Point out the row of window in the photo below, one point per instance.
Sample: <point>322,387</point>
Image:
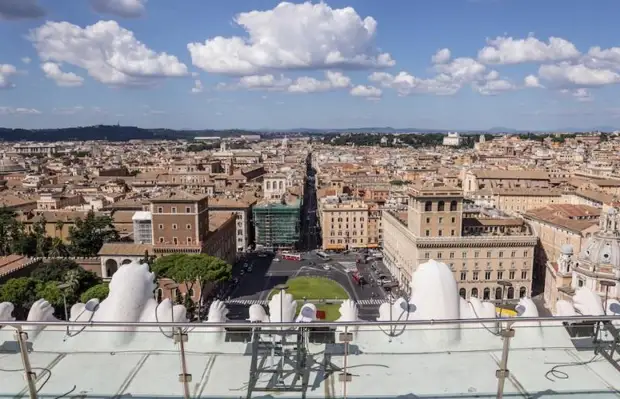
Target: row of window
<point>464,254</point>
<point>353,240</point>
<point>440,220</point>
<point>440,233</point>
<point>486,293</point>
<point>500,275</point>
<point>160,209</point>
<point>346,219</point>
<point>175,226</point>
<point>441,205</point>
<point>175,240</point>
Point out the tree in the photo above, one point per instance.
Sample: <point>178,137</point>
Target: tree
<point>40,239</point>
<point>192,270</point>
<point>99,291</point>
<point>21,292</point>
<point>59,226</point>
<point>54,270</point>
<point>88,235</point>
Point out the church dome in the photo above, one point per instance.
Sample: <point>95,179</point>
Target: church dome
<point>566,249</point>
<point>602,250</point>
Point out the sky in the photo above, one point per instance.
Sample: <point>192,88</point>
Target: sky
<point>258,64</point>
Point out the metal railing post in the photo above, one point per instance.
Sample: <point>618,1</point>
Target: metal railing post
<point>22,340</point>
<point>502,373</point>
<point>180,337</point>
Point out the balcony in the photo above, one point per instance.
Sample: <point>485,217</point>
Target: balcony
<point>516,358</point>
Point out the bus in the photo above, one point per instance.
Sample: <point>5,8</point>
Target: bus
<point>322,255</point>
<point>291,256</point>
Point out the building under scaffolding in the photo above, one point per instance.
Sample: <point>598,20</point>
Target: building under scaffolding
<point>277,225</point>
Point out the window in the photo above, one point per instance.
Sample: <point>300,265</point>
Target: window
<point>524,275</point>
<point>489,254</point>
<point>453,205</point>
<point>160,209</point>
<point>189,240</point>
<point>511,275</point>
<point>161,226</point>
<point>463,293</point>
<point>522,292</point>
<point>175,240</point>
<point>451,255</point>
<point>440,233</point>
<point>174,226</point>
<point>476,254</point>
<point>427,255</point>
<point>498,293</point>
<point>440,220</point>
<point>474,292</point>
<point>161,240</point>
<point>511,293</point>
<point>428,220</point>
<point>475,276</point>
<point>439,255</point>
<point>463,276</point>
<point>173,209</point>
<point>188,209</point>
<point>580,282</point>
<point>525,254</point>
<point>189,227</point>
<point>428,206</point>
<point>513,254</point>
<point>441,206</point>
<point>501,254</point>
<point>452,232</point>
<point>486,293</point>
<point>487,275</point>
<point>500,275</point>
<point>453,220</point>
<point>428,233</point>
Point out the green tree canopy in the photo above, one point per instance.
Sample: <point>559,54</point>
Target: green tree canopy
<point>99,291</point>
<point>88,235</point>
<point>54,270</point>
<point>21,292</point>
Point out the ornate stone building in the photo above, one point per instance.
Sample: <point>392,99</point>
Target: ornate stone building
<point>596,267</point>
<point>481,252</point>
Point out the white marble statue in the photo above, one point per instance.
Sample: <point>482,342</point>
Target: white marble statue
<point>6,311</point>
<point>307,314</point>
<point>348,312</point>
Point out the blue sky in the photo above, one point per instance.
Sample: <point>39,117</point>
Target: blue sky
<point>450,64</point>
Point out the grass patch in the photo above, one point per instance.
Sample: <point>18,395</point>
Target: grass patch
<point>316,288</point>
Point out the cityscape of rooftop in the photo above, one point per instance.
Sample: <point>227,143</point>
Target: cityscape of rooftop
<point>166,233</point>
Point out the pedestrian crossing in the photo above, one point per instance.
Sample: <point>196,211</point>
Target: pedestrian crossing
<point>248,302</point>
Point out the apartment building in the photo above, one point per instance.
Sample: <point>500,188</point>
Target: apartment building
<point>480,252</point>
<point>350,224</point>
<point>478,179</point>
<point>518,200</point>
<point>180,222</point>
<point>244,234</point>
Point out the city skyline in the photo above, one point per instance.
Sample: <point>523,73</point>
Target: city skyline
<point>484,63</point>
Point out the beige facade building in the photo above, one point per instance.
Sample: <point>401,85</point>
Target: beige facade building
<point>479,179</point>
<point>519,200</point>
<point>479,252</point>
<point>350,224</point>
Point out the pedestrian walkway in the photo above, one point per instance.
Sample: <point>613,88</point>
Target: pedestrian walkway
<point>248,302</point>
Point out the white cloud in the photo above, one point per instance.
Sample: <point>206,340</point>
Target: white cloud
<point>333,81</point>
<point>264,82</point>
<point>441,56</point>
<point>293,36</point>
<point>532,81</point>
<point>366,91</point>
<point>26,60</point>
<point>493,87</point>
<point>20,9</point>
<point>462,70</point>
<point>18,111</point>
<point>120,8</point>
<point>581,94</point>
<point>6,72</point>
<point>65,79</point>
<point>198,88</point>
<point>566,74</point>
<point>406,84</point>
<point>109,53</point>
<point>506,50</point>
<point>68,110</point>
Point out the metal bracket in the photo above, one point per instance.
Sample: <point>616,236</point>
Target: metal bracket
<point>502,373</point>
<point>345,337</point>
<point>507,333</point>
<point>180,336</point>
<point>345,377</point>
<point>185,378</point>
